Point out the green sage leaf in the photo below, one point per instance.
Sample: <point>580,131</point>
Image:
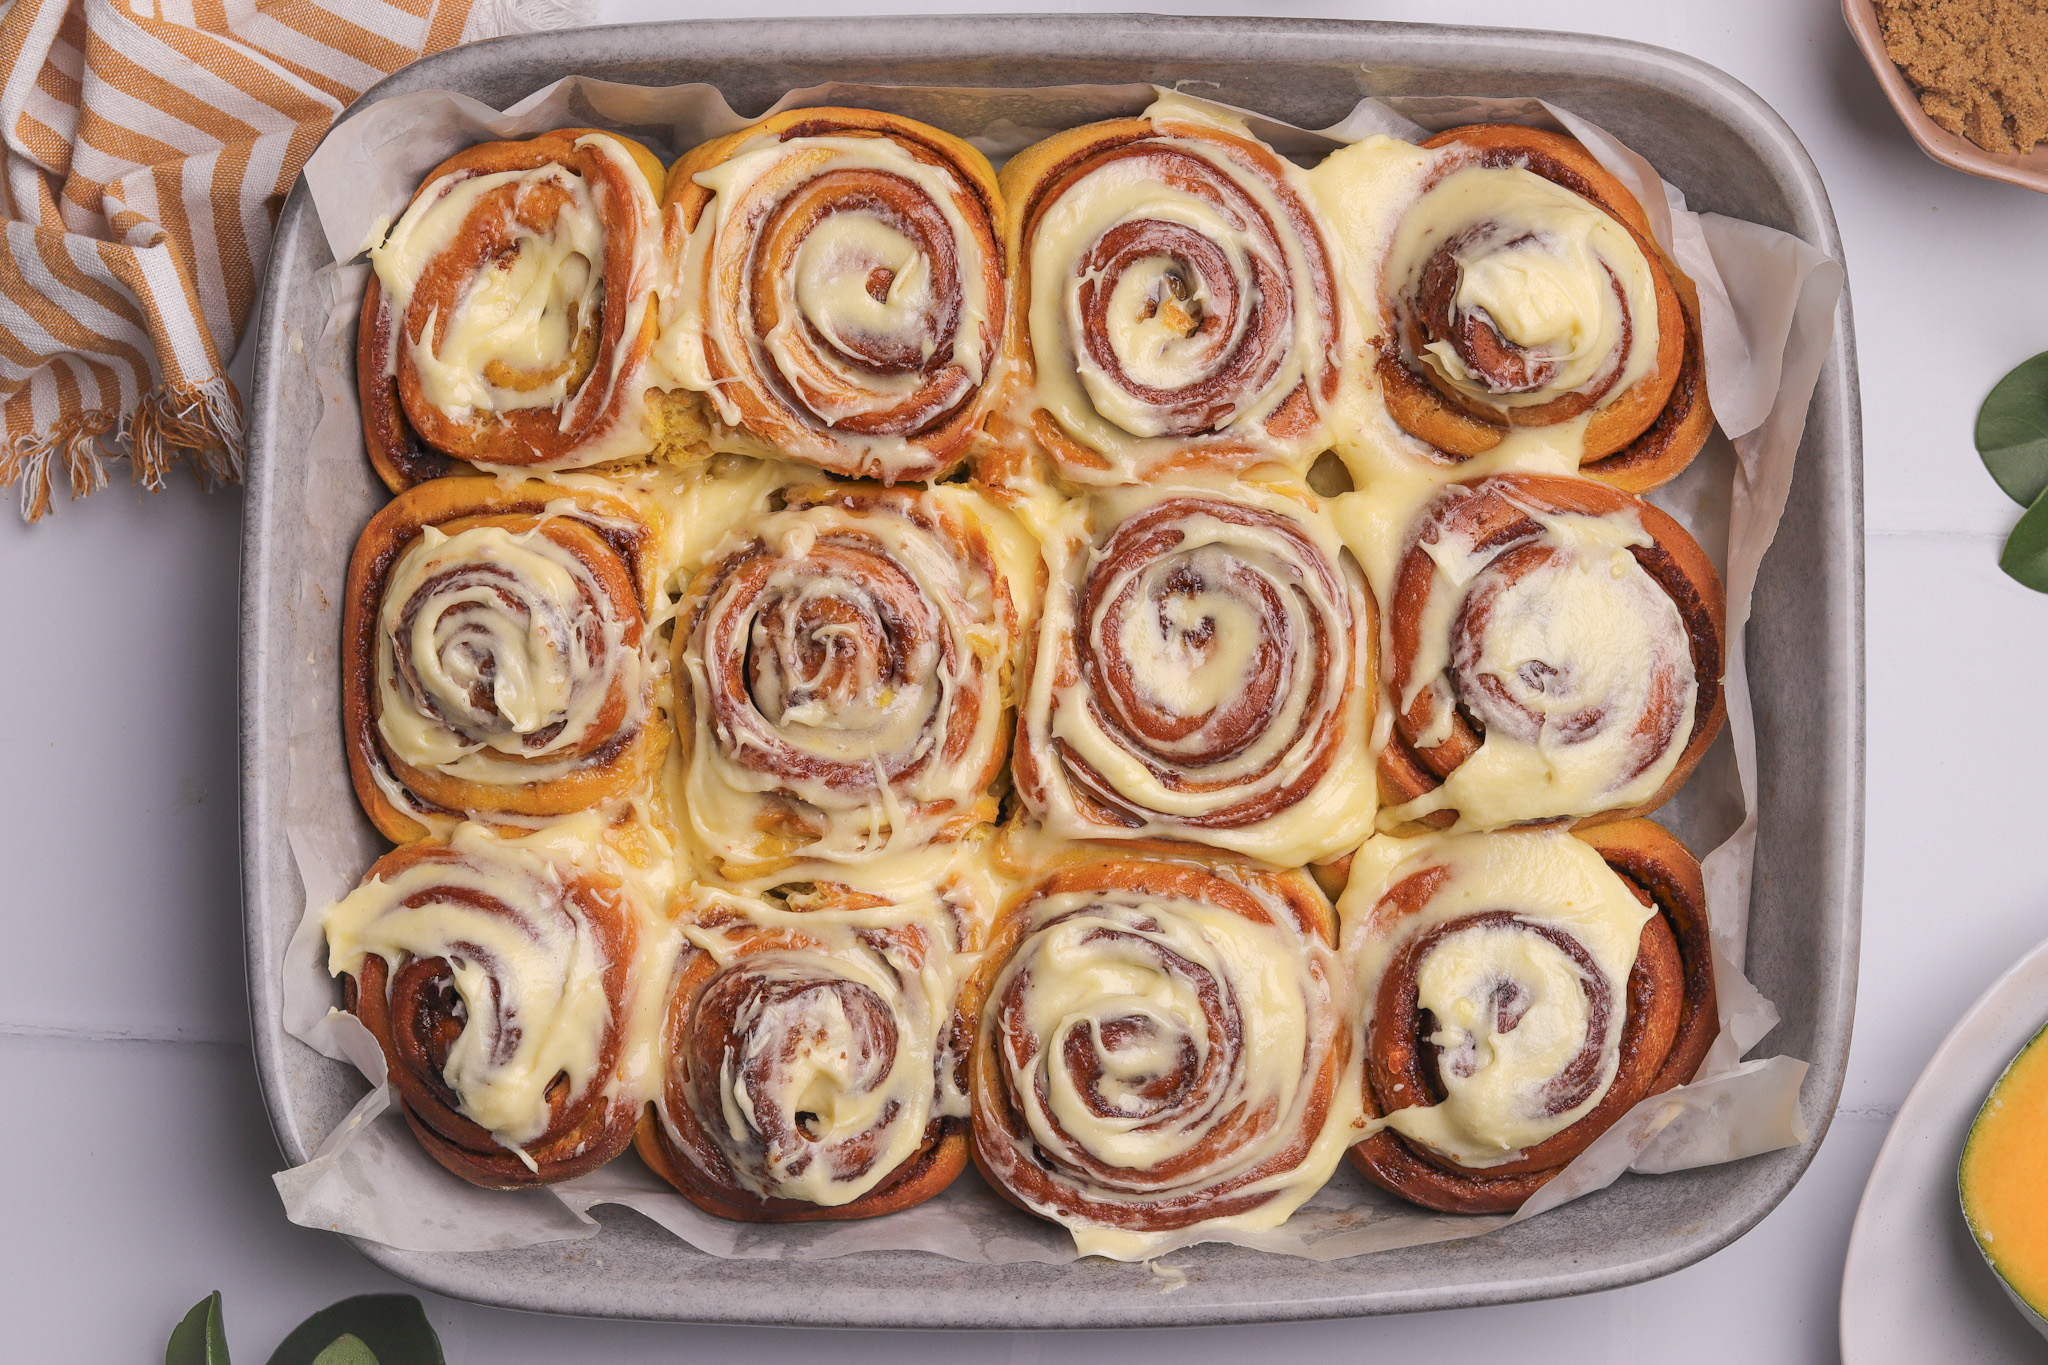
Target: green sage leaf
<point>346,1349</point>
<point>2026,549</point>
<point>202,1338</point>
<point>2012,431</point>
<point>386,1329</point>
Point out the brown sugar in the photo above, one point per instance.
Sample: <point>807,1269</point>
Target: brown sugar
<point>1980,66</point>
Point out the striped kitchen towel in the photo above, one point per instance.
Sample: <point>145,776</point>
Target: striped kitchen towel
<point>149,146</point>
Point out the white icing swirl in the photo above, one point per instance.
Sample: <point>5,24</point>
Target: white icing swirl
<point>847,662</point>
<point>534,974</point>
<point>812,1046</point>
<point>501,656</point>
<point>1527,980</point>
<point>1201,675</point>
<point>1167,1044</point>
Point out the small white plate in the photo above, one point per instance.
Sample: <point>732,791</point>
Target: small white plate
<point>1914,1288</point>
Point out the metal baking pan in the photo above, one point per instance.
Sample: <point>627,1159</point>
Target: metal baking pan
<point>1705,132</point>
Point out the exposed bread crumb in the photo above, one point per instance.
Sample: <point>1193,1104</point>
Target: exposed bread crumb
<point>1980,66</point>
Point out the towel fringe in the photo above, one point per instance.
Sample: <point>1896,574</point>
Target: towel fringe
<point>199,425</point>
<point>72,446</point>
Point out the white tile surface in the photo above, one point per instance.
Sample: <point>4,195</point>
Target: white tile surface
<point>142,1167</point>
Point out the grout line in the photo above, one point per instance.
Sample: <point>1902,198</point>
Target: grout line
<point>1868,1111</point>
<point>70,1034</point>
<point>1883,533</point>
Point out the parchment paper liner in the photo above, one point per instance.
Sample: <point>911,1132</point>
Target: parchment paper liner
<point>1767,304</point>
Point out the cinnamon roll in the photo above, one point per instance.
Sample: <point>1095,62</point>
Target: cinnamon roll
<point>494,654</point>
<point>1519,992</point>
<point>1203,674</point>
<point>1162,1051</point>
<point>510,312</point>
<point>816,1063</point>
<point>842,295</point>
<point>500,979</point>
<point>845,667</point>
<point>1522,287</point>
<point>1176,305</point>
<point>1554,653</point>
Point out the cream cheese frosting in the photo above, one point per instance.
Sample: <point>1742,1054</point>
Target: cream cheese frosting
<point>504,914</point>
<point>529,320</point>
<point>1168,1055</point>
<point>873,290</point>
<point>849,662</point>
<point>1175,305</point>
<point>1201,675</point>
<point>1511,1000</point>
<point>837,1036</point>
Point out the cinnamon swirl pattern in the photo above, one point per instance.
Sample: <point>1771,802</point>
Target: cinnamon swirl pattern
<point>1555,652</point>
<point>965,542</point>
<point>816,1064</point>
<point>1522,287</point>
<point>1162,1051</point>
<point>1203,674</point>
<point>846,667</point>
<point>494,653</point>
<point>843,291</point>
<point>510,315</point>
<point>1176,305</point>
<point>1518,993</point>
<point>500,981</point>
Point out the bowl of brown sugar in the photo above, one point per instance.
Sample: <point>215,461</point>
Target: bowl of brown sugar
<point>1969,78</point>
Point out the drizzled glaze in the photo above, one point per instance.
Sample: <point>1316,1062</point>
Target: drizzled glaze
<point>848,663</point>
<point>1175,302</point>
<point>513,309</point>
<point>843,292</point>
<point>1162,1051</point>
<point>1199,673</point>
<point>815,1059</point>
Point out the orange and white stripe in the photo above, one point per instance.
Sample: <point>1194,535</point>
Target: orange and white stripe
<point>148,148</point>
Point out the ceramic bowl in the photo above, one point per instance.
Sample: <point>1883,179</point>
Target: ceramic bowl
<point>2029,168</point>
